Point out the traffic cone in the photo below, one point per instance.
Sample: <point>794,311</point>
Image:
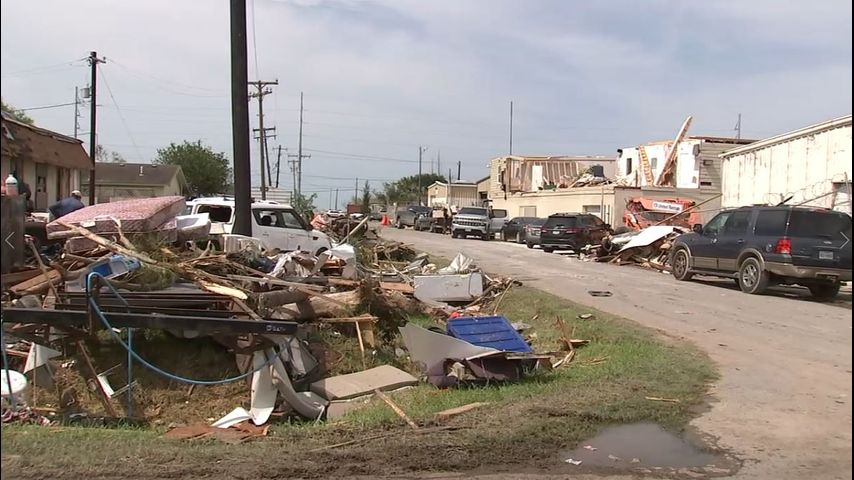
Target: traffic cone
<point>384,221</point>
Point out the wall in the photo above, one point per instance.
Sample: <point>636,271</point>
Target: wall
<point>461,195</point>
<point>543,204</point>
<point>804,167</point>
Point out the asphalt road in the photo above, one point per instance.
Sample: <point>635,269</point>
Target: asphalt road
<point>783,404</point>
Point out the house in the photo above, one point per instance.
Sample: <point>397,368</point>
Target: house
<point>458,194</point>
<point>49,162</point>
<point>810,166</point>
<point>697,163</point>
<point>483,190</point>
<point>541,186</point>
<point>121,181</point>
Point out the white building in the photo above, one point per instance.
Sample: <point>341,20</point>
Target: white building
<point>811,165</point>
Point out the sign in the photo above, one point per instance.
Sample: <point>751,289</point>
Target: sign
<point>667,207</point>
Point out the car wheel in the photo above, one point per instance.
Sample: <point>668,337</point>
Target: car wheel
<point>824,290</point>
<point>530,245</point>
<point>398,224</point>
<point>752,278</point>
<point>681,265</point>
<point>485,237</point>
<point>548,249</point>
<point>453,234</point>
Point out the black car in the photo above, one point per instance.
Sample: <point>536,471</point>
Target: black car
<point>516,230</point>
<point>762,246</point>
<point>572,231</point>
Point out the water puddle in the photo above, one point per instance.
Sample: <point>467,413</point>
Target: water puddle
<point>644,446</point>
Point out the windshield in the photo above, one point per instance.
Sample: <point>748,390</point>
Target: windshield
<point>472,211</point>
<point>422,210</point>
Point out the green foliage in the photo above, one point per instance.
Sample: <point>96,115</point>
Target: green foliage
<point>19,115</point>
<point>406,190</point>
<point>304,205</point>
<point>366,199</point>
<point>106,156</point>
<point>207,172</point>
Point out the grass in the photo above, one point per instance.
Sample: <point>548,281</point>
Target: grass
<point>523,427</point>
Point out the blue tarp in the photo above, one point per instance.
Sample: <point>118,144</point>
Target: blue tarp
<point>494,332</point>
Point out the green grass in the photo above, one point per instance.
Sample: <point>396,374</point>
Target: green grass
<point>524,425</point>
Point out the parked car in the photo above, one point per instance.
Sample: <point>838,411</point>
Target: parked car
<point>516,229</point>
<point>532,232</point>
<point>406,216</point>
<point>277,225</point>
<point>763,246</point>
<point>478,221</point>
<point>571,231</point>
<point>376,216</point>
<point>334,213</point>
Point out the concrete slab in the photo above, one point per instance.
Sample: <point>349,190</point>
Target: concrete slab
<point>352,385</point>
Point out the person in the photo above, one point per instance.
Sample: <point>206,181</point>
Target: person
<point>24,191</point>
<point>446,226</point>
<point>67,205</point>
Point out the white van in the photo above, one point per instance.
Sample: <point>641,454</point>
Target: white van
<point>277,225</point>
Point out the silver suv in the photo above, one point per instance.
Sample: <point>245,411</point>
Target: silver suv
<point>478,221</point>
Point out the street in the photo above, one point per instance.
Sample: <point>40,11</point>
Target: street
<point>783,403</point>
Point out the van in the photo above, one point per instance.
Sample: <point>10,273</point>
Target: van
<point>276,225</point>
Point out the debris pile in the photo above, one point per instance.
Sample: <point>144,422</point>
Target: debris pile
<point>649,247</point>
<point>128,268</point>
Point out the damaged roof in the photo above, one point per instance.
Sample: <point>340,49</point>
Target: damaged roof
<point>30,143</point>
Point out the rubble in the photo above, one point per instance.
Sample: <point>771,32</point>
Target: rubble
<point>649,247</point>
<point>135,265</point>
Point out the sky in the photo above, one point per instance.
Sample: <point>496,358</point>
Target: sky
<point>381,78</point>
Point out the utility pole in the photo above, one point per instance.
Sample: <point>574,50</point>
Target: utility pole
<point>93,62</point>
<point>262,90</point>
<point>296,165</point>
<point>356,198</point>
<point>738,127</point>
<point>450,197</point>
<point>421,150</point>
<point>439,162</point>
<point>278,165</point>
<point>511,127</point>
<point>76,111</point>
<point>459,168</point>
<point>336,198</point>
<point>240,121</point>
<point>266,156</point>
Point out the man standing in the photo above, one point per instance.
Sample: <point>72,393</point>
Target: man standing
<point>446,221</point>
<point>67,205</point>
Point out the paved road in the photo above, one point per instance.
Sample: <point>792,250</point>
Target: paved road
<point>783,403</point>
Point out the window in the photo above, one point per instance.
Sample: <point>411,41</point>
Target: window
<point>568,222</point>
<point>277,219</point>
<point>653,163</point>
<point>628,165</point>
<point>820,224</point>
<point>716,224</point>
<point>528,211</point>
<point>737,223</point>
<point>218,213</point>
<point>771,223</point>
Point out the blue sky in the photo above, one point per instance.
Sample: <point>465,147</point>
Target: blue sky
<point>381,78</point>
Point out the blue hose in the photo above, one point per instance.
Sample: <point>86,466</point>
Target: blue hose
<point>143,361</point>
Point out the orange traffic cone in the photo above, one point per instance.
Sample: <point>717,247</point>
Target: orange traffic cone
<point>384,221</point>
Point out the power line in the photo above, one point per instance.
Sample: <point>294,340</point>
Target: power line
<point>254,40</point>
<point>46,68</point>
<point>141,74</point>
<point>355,155</point>
<point>119,110</point>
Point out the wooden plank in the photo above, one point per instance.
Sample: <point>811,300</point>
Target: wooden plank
<point>36,284</point>
<point>18,277</point>
<point>397,287</point>
<point>452,412</point>
<point>400,413</point>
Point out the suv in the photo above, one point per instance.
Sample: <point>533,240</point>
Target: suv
<point>276,225</point>
<point>763,246</point>
<point>571,231</point>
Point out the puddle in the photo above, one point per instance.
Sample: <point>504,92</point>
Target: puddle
<point>644,445</point>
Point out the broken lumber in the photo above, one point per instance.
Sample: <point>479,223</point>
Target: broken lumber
<point>400,413</point>
<point>323,306</point>
<point>452,412</point>
<point>37,284</point>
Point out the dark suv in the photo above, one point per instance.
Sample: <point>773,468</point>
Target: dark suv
<point>762,246</point>
<point>571,231</point>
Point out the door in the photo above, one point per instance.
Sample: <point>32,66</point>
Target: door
<point>510,229</point>
<point>299,238</point>
<point>704,246</point>
<point>497,219</point>
<point>270,229</point>
<point>732,240</point>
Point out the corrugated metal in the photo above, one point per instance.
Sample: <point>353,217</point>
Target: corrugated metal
<point>27,143</point>
<point>802,166</point>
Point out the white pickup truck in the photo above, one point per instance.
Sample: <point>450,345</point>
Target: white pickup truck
<point>276,225</point>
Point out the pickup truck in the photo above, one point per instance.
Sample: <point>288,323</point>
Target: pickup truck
<point>478,221</point>
<point>407,216</point>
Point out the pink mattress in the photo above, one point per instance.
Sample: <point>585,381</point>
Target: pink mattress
<point>136,216</point>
